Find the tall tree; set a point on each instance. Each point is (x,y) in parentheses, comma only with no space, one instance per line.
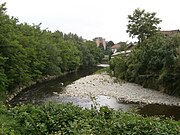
(27,52)
(142,24)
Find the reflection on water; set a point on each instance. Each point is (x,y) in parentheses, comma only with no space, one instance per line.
(87,102)
(154,109)
(101,100)
(39,92)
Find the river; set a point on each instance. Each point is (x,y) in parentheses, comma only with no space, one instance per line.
(51,91)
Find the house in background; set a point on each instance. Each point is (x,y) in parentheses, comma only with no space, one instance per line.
(115,48)
(100,42)
(170,32)
(122,46)
(122,49)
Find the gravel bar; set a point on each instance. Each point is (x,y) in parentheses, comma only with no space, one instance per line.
(103,84)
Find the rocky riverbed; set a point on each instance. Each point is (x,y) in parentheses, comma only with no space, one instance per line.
(103,84)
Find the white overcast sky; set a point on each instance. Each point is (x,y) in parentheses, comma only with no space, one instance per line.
(92,18)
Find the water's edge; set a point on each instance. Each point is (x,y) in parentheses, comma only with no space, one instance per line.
(52,91)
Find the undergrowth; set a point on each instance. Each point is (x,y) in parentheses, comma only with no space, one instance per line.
(61,119)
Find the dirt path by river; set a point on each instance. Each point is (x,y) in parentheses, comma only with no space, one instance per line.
(103,84)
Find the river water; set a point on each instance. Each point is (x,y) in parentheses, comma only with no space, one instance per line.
(53,91)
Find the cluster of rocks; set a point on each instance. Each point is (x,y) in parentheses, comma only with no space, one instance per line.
(103,84)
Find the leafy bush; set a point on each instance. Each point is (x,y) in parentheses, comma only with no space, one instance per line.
(118,66)
(68,119)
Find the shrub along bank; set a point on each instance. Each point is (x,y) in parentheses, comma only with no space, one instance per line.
(68,119)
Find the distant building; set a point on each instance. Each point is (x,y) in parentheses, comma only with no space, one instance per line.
(115,47)
(121,53)
(100,42)
(170,32)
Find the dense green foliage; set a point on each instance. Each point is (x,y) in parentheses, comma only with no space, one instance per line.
(28,52)
(68,119)
(142,24)
(154,63)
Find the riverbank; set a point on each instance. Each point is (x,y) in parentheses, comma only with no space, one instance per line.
(18,89)
(103,84)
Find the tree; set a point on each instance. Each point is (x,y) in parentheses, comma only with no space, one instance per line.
(110,43)
(142,24)
(27,52)
(90,54)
